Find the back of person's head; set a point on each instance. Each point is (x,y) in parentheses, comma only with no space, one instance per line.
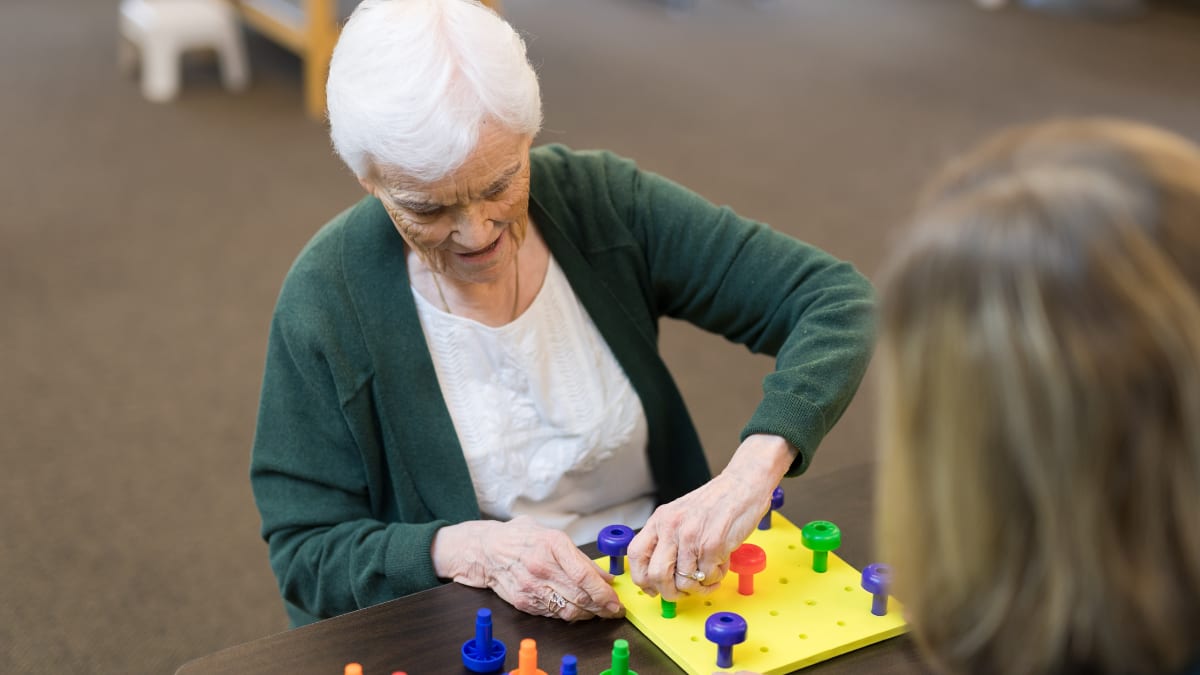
(1040,430)
(412,81)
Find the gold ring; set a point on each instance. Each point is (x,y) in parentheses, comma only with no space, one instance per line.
(696,576)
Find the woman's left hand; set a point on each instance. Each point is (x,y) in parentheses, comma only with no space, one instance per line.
(685,546)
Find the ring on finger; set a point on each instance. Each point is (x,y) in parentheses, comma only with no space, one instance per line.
(696,576)
(555,602)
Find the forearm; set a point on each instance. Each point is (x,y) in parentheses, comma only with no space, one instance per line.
(820,365)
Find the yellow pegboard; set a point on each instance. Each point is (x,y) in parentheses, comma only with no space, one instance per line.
(796,617)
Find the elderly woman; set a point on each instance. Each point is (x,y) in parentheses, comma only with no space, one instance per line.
(463,380)
(1040,478)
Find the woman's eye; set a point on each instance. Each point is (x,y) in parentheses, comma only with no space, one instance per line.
(426,212)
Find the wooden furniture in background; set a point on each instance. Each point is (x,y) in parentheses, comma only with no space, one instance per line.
(310,29)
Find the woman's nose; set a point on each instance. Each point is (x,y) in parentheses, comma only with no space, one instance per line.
(473,229)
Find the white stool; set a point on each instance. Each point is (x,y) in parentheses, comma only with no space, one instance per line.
(162,30)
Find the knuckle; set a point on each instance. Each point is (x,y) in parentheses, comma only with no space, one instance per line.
(538,567)
(581,598)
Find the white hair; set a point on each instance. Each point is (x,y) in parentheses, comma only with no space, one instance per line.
(412,81)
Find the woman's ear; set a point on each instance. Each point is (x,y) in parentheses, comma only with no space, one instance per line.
(367,185)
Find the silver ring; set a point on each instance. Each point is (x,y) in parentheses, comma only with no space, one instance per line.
(555,602)
(696,576)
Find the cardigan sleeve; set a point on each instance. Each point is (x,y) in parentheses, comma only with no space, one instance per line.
(329,551)
(762,289)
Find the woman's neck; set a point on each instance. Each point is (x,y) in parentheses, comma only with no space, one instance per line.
(495,302)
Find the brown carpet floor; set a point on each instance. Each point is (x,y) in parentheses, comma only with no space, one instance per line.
(141,248)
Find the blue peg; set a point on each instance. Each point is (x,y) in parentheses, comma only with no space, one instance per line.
(483,654)
(614,543)
(726,629)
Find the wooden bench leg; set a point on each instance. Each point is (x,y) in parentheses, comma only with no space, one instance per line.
(316,70)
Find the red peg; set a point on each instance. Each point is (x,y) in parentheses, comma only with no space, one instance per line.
(747,561)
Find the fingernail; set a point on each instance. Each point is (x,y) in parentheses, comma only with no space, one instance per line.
(613,607)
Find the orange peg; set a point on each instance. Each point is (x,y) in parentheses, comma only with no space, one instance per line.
(353,669)
(527,659)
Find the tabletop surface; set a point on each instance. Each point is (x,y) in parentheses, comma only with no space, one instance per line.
(423,633)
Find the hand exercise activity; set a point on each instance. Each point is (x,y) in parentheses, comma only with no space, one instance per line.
(463,380)
(464,384)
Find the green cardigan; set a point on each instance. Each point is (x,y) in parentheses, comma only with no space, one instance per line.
(356,463)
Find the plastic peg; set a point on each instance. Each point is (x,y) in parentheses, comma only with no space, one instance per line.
(527,659)
(746,561)
(821,537)
(569,666)
(668,609)
(483,654)
(614,542)
(876,580)
(726,629)
(353,669)
(620,660)
(776,504)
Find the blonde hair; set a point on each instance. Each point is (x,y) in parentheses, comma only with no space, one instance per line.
(1039,484)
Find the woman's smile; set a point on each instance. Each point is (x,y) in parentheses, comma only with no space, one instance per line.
(485,250)
(485,254)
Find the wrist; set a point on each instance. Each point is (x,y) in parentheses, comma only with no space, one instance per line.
(762,459)
(453,549)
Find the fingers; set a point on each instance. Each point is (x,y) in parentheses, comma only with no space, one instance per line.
(668,556)
(660,570)
(543,573)
(653,557)
(559,607)
(638,554)
(689,537)
(590,590)
(715,566)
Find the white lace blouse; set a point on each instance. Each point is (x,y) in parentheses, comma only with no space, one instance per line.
(549,423)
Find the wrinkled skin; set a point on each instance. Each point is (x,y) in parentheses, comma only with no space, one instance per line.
(701,529)
(524,562)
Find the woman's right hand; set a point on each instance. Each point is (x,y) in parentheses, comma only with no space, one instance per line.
(536,569)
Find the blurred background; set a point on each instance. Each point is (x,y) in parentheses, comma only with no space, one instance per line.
(142,246)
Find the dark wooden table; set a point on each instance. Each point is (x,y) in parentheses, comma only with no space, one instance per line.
(423,633)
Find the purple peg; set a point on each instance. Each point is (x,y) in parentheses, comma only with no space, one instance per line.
(776,503)
(876,578)
(726,629)
(614,542)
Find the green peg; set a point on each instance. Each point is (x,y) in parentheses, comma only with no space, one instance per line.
(620,660)
(821,536)
(668,609)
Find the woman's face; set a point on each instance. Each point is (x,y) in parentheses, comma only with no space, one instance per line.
(468,225)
